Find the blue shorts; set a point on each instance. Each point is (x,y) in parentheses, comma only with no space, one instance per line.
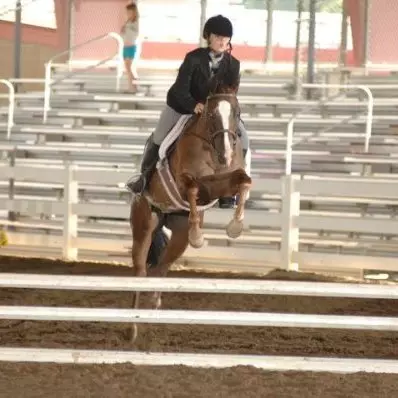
(129,52)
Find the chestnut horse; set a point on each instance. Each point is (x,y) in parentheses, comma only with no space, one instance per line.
(206,163)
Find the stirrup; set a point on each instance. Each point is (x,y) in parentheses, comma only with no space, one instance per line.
(228,202)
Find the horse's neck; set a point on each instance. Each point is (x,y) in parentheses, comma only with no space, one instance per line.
(191,126)
(197,126)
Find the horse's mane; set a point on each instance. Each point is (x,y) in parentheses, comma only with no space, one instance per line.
(223,86)
(224,82)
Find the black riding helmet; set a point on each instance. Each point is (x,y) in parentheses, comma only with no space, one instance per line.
(218,25)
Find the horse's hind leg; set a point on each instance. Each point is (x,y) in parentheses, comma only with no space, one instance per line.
(174,249)
(142,222)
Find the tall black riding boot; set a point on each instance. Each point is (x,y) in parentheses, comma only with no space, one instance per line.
(229,202)
(150,158)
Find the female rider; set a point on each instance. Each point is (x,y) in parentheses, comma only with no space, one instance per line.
(189,92)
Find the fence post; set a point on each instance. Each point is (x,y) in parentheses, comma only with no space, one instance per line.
(203,9)
(69,251)
(311,54)
(297,53)
(366,35)
(269,43)
(290,213)
(343,37)
(11,189)
(248,167)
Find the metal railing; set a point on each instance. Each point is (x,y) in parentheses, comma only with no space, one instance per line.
(11,105)
(290,124)
(49,65)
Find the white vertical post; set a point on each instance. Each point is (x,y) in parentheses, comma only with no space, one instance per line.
(369,117)
(47,90)
(268,43)
(289,146)
(248,164)
(290,213)
(203,9)
(366,34)
(343,37)
(69,251)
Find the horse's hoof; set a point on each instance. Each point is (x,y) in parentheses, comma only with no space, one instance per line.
(158,304)
(234,228)
(156,301)
(133,333)
(196,239)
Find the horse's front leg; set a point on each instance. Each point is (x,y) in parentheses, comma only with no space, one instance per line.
(227,184)
(243,183)
(195,234)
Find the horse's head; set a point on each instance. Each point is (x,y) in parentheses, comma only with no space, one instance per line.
(221,118)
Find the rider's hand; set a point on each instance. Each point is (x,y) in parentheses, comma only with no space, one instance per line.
(198,108)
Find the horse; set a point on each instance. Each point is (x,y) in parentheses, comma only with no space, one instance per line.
(203,164)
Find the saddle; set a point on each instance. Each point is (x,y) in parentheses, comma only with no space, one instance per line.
(167,179)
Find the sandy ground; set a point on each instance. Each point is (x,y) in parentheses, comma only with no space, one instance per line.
(125,380)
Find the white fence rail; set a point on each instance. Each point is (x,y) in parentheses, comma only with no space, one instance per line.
(197,285)
(266,362)
(183,317)
(338,365)
(289,220)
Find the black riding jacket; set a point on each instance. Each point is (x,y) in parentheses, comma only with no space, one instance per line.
(194,77)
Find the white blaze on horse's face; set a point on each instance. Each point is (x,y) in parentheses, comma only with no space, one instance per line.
(224,107)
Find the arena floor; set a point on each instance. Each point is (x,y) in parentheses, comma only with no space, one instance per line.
(50,380)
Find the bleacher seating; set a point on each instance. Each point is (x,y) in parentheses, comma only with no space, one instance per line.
(93,126)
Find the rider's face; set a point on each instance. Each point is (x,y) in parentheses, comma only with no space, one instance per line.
(218,44)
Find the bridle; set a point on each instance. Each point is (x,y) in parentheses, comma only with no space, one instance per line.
(214,134)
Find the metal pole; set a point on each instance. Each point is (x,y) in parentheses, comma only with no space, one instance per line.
(343,39)
(311,47)
(268,44)
(203,7)
(296,73)
(17,40)
(70,29)
(366,25)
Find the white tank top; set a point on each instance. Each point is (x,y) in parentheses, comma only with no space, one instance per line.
(130,32)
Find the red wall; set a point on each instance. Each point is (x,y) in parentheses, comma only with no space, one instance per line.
(175,51)
(355,10)
(30,34)
(383,34)
(88,11)
(383,46)
(57,38)
(96,17)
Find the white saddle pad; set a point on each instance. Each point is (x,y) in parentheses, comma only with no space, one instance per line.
(173,135)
